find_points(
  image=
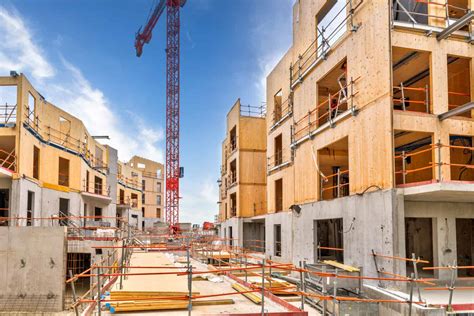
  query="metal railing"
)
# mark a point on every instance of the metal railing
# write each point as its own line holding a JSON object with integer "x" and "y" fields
{"x": 253, "y": 111}
{"x": 232, "y": 178}
{"x": 416, "y": 97}
{"x": 132, "y": 183}
{"x": 281, "y": 158}
{"x": 335, "y": 185}
{"x": 96, "y": 188}
{"x": 8, "y": 160}
{"x": 7, "y": 114}
{"x": 326, "y": 111}
{"x": 417, "y": 12}
{"x": 425, "y": 164}
{"x": 282, "y": 111}
{"x": 326, "y": 37}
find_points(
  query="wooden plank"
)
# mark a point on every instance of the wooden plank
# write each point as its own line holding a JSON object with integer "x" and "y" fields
{"x": 339, "y": 265}
{"x": 257, "y": 299}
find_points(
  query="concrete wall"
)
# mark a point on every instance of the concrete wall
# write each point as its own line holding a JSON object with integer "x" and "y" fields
{"x": 370, "y": 221}
{"x": 32, "y": 268}
{"x": 237, "y": 230}
{"x": 443, "y": 217}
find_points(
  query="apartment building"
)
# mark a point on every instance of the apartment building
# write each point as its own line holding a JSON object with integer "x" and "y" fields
{"x": 369, "y": 135}
{"x": 242, "y": 185}
{"x": 152, "y": 172}
{"x": 53, "y": 172}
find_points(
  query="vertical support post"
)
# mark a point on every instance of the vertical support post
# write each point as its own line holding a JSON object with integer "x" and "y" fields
{"x": 439, "y": 161}
{"x": 74, "y": 296}
{"x": 319, "y": 252}
{"x": 321, "y": 189}
{"x": 415, "y": 270}
{"x": 404, "y": 167}
{"x": 338, "y": 182}
{"x": 403, "y": 97}
{"x": 427, "y": 98}
{"x": 451, "y": 285}
{"x": 98, "y": 291}
{"x": 245, "y": 260}
{"x": 263, "y": 287}
{"x": 121, "y": 263}
{"x": 374, "y": 255}
{"x": 324, "y": 291}
{"x": 190, "y": 277}
{"x": 270, "y": 273}
{"x": 411, "y": 295}
{"x": 335, "y": 288}
{"x": 302, "y": 287}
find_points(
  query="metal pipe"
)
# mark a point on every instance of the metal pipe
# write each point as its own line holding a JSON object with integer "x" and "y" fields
{"x": 98, "y": 291}
{"x": 263, "y": 287}
{"x": 74, "y": 297}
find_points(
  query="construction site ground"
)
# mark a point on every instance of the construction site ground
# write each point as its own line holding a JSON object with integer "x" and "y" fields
{"x": 171, "y": 282}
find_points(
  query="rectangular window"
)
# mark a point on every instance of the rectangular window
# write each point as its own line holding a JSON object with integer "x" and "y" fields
{"x": 158, "y": 186}
{"x": 63, "y": 173}
{"x": 36, "y": 162}
{"x": 87, "y": 180}
{"x": 134, "y": 198}
{"x": 121, "y": 197}
{"x": 30, "y": 208}
{"x": 278, "y": 150}
{"x": 329, "y": 234}
{"x": 277, "y": 240}
{"x": 143, "y": 184}
{"x": 231, "y": 237}
{"x": 63, "y": 211}
{"x": 279, "y": 195}
{"x": 158, "y": 212}
{"x": 277, "y": 102}
{"x": 143, "y": 198}
{"x": 98, "y": 186}
{"x": 143, "y": 212}
{"x": 98, "y": 214}
{"x": 158, "y": 199}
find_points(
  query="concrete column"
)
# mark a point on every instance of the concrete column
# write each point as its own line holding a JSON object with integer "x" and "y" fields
{"x": 444, "y": 244}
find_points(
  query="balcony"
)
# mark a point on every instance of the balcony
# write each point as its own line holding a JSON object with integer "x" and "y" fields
{"x": 433, "y": 16}
{"x": 281, "y": 112}
{"x": 232, "y": 179}
{"x": 279, "y": 160}
{"x": 7, "y": 115}
{"x": 332, "y": 108}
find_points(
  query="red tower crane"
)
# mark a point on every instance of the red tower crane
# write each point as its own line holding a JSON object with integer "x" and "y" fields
{"x": 173, "y": 169}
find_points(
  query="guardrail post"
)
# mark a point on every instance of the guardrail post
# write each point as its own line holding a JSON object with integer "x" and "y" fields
{"x": 302, "y": 287}
{"x": 338, "y": 182}
{"x": 427, "y": 99}
{"x": 98, "y": 291}
{"x": 403, "y": 97}
{"x": 451, "y": 285}
{"x": 439, "y": 160}
{"x": 404, "y": 167}
{"x": 415, "y": 270}
{"x": 74, "y": 297}
{"x": 263, "y": 287}
{"x": 411, "y": 295}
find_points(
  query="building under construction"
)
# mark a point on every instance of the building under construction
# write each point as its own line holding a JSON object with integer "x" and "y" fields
{"x": 350, "y": 193}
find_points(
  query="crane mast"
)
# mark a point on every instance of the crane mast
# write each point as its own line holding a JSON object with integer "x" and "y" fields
{"x": 172, "y": 168}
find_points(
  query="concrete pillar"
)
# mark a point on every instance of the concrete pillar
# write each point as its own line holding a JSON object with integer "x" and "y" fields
{"x": 444, "y": 244}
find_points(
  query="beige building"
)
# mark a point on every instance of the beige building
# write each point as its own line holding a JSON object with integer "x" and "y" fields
{"x": 242, "y": 185}
{"x": 152, "y": 185}
{"x": 369, "y": 135}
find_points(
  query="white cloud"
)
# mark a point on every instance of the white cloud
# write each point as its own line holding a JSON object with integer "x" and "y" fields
{"x": 17, "y": 49}
{"x": 65, "y": 86}
{"x": 199, "y": 203}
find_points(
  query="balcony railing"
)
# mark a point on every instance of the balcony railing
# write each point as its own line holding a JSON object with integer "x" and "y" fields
{"x": 8, "y": 160}
{"x": 419, "y": 13}
{"x": 327, "y": 35}
{"x": 282, "y": 111}
{"x": 335, "y": 185}
{"x": 425, "y": 164}
{"x": 132, "y": 183}
{"x": 232, "y": 178}
{"x": 7, "y": 115}
{"x": 253, "y": 111}
{"x": 281, "y": 158}
{"x": 415, "y": 99}
{"x": 95, "y": 188}
{"x": 327, "y": 111}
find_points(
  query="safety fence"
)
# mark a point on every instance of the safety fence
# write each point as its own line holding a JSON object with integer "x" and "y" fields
{"x": 96, "y": 187}
{"x": 7, "y": 115}
{"x": 334, "y": 185}
{"x": 419, "y": 165}
{"x": 281, "y": 157}
{"x": 426, "y": 12}
{"x": 253, "y": 111}
{"x": 281, "y": 111}
{"x": 327, "y": 111}
{"x": 8, "y": 160}
{"x": 240, "y": 264}
{"x": 62, "y": 139}
{"x": 341, "y": 20}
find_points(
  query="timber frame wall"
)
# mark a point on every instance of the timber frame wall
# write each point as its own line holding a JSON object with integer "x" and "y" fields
{"x": 242, "y": 186}
{"x": 363, "y": 133}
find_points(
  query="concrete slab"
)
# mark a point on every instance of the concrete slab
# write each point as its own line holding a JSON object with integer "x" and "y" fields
{"x": 440, "y": 192}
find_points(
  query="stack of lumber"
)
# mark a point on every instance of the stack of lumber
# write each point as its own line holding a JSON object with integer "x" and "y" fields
{"x": 276, "y": 286}
{"x": 253, "y": 296}
{"x": 130, "y": 306}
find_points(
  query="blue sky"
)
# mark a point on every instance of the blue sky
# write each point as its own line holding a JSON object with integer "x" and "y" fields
{"x": 80, "y": 56}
